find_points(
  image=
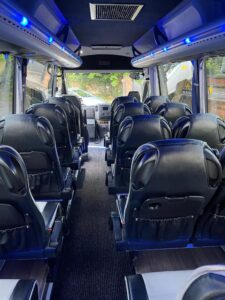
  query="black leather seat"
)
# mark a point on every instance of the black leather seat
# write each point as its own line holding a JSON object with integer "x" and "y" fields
{"x": 28, "y": 229}
{"x": 80, "y": 122}
{"x": 133, "y": 132}
{"x": 19, "y": 289}
{"x": 116, "y": 102}
{"x": 210, "y": 229}
{"x": 135, "y": 94}
{"x": 58, "y": 119}
{"x": 33, "y": 137}
{"x": 206, "y": 127}
{"x": 172, "y": 181}
{"x": 122, "y": 111}
{"x": 204, "y": 283}
{"x": 173, "y": 111}
{"x": 154, "y": 102}
{"x": 68, "y": 107}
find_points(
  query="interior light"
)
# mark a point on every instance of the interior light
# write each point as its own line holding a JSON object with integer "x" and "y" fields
{"x": 187, "y": 40}
{"x": 165, "y": 49}
{"x": 50, "y": 40}
{"x": 24, "y": 22}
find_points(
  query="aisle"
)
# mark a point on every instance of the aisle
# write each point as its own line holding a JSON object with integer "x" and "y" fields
{"x": 90, "y": 267}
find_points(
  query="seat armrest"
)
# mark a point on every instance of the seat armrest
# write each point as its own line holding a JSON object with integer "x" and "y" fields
{"x": 107, "y": 140}
{"x": 56, "y": 234}
{"x": 80, "y": 140}
{"x": 121, "y": 200}
{"x": 109, "y": 157}
{"x": 49, "y": 214}
{"x": 14, "y": 289}
{"x": 135, "y": 288}
{"x": 117, "y": 226}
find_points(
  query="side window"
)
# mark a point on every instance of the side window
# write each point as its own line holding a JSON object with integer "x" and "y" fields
{"x": 146, "y": 90}
{"x": 38, "y": 83}
{"x": 215, "y": 73}
{"x": 6, "y": 84}
{"x": 58, "y": 88}
{"x": 176, "y": 81}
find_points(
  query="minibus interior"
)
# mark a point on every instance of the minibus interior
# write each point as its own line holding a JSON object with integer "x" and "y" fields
{"x": 112, "y": 150}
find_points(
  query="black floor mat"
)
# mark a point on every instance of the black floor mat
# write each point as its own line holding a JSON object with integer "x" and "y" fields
{"x": 90, "y": 267}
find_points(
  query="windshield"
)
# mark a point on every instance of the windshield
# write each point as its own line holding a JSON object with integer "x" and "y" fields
{"x": 99, "y": 88}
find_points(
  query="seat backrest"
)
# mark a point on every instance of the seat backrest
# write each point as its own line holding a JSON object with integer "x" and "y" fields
{"x": 21, "y": 223}
{"x": 154, "y": 102}
{"x": 80, "y": 120}
{"x": 78, "y": 111}
{"x": 210, "y": 229}
{"x": 135, "y": 94}
{"x": 68, "y": 107}
{"x": 123, "y": 111}
{"x": 171, "y": 183}
{"x": 33, "y": 137}
{"x": 133, "y": 132}
{"x": 58, "y": 119}
{"x": 206, "y": 127}
{"x": 121, "y": 100}
{"x": 173, "y": 111}
{"x": 117, "y": 102}
{"x": 207, "y": 282}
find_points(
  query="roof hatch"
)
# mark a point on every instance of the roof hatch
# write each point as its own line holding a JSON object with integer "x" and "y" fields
{"x": 117, "y": 12}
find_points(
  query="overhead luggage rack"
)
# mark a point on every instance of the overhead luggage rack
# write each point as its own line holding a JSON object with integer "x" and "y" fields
{"x": 32, "y": 38}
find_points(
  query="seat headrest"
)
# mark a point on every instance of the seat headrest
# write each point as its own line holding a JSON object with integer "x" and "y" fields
{"x": 54, "y": 113}
{"x": 206, "y": 127}
{"x": 175, "y": 167}
{"x": 172, "y": 111}
{"x": 65, "y": 104}
{"x": 121, "y": 100}
{"x": 135, "y": 94}
{"x": 137, "y": 130}
{"x": 13, "y": 175}
{"x": 27, "y": 133}
{"x": 74, "y": 99}
{"x": 154, "y": 102}
{"x": 129, "y": 109}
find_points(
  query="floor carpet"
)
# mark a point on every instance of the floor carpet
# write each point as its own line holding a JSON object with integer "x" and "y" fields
{"x": 90, "y": 267}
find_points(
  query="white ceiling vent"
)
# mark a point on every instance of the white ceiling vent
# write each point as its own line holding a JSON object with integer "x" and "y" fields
{"x": 117, "y": 12}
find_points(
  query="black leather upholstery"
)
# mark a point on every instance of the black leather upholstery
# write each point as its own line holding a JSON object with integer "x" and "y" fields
{"x": 210, "y": 228}
{"x": 118, "y": 101}
{"x": 58, "y": 119}
{"x": 122, "y": 111}
{"x": 135, "y": 94}
{"x": 133, "y": 132}
{"x": 68, "y": 107}
{"x": 206, "y": 127}
{"x": 135, "y": 288}
{"x": 80, "y": 122}
{"x": 171, "y": 183}
{"x": 121, "y": 100}
{"x": 154, "y": 102}
{"x": 208, "y": 286}
{"x": 25, "y": 289}
{"x": 33, "y": 137}
{"x": 77, "y": 109}
{"x": 203, "y": 283}
{"x": 23, "y": 229}
{"x": 172, "y": 111}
